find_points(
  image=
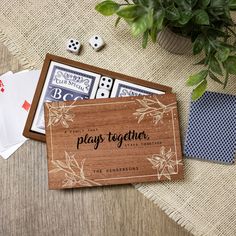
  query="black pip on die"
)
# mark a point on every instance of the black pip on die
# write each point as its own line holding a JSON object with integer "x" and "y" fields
{"x": 96, "y": 42}
{"x": 106, "y": 82}
{"x": 73, "y": 46}
{"x": 103, "y": 93}
{"x": 105, "y": 86}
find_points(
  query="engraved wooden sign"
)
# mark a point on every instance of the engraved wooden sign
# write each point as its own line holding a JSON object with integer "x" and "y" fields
{"x": 113, "y": 141}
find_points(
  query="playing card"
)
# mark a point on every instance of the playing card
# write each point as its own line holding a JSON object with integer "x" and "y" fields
{"x": 126, "y": 89}
{"x": 64, "y": 83}
{"x": 9, "y": 151}
{"x": 22, "y": 71}
{"x": 14, "y": 104}
{"x": 211, "y": 133}
{"x": 6, "y": 74}
{"x": 2, "y": 86}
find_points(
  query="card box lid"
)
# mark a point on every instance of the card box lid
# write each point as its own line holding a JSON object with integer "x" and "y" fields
{"x": 113, "y": 141}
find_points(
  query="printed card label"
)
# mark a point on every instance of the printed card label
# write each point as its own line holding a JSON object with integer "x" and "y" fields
{"x": 126, "y": 89}
{"x": 113, "y": 141}
{"x": 64, "y": 83}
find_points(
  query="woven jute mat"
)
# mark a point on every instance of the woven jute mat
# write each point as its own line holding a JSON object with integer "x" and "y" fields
{"x": 204, "y": 202}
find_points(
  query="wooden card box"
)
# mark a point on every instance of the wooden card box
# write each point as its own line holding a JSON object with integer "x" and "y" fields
{"x": 29, "y": 133}
{"x": 113, "y": 141}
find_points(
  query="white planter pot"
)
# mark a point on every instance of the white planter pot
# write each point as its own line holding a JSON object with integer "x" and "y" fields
{"x": 173, "y": 42}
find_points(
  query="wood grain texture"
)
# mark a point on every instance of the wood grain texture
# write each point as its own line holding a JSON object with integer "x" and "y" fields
{"x": 113, "y": 141}
{"x": 29, "y": 208}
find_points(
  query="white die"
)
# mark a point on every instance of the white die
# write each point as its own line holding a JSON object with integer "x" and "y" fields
{"x": 102, "y": 93}
{"x": 73, "y": 45}
{"x": 96, "y": 42}
{"x": 106, "y": 82}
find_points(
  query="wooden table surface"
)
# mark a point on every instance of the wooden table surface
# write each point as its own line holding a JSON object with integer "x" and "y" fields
{"x": 27, "y": 207}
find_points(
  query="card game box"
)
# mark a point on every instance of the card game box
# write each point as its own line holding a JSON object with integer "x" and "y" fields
{"x": 62, "y": 79}
{"x": 113, "y": 141}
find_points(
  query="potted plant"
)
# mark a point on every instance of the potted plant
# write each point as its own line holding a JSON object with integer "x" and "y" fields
{"x": 207, "y": 23}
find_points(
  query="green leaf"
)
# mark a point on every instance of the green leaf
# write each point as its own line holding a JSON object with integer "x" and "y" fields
{"x": 147, "y": 3}
{"x": 192, "y": 3}
{"x": 204, "y": 3}
{"x": 212, "y": 76}
{"x": 218, "y": 3}
{"x": 185, "y": 17}
{"x": 227, "y": 12}
{"x": 157, "y": 26}
{"x": 197, "y": 78}
{"x": 145, "y": 39}
{"x": 158, "y": 18}
{"x": 222, "y": 53}
{"x": 198, "y": 44}
{"x": 131, "y": 12}
{"x": 150, "y": 18}
{"x": 232, "y": 4}
{"x": 140, "y": 25}
{"x": 202, "y": 62}
{"x": 199, "y": 90}
{"x": 201, "y": 17}
{"x": 172, "y": 13}
{"x": 117, "y": 21}
{"x": 230, "y": 65}
{"x": 213, "y": 32}
{"x": 107, "y": 8}
{"x": 153, "y": 33}
{"x": 231, "y": 47}
{"x": 183, "y": 4}
{"x": 207, "y": 48}
{"x": 215, "y": 65}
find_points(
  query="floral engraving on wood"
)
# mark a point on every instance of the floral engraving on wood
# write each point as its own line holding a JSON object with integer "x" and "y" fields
{"x": 152, "y": 108}
{"x": 60, "y": 114}
{"x": 74, "y": 172}
{"x": 165, "y": 163}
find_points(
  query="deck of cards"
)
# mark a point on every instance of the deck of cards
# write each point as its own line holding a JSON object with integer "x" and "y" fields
{"x": 65, "y": 83}
{"x": 66, "y": 80}
{"x": 16, "y": 94}
{"x": 211, "y": 134}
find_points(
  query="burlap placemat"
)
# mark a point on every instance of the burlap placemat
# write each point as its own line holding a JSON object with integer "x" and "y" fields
{"x": 204, "y": 203}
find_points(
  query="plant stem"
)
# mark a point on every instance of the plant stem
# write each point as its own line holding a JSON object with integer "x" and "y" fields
{"x": 231, "y": 31}
{"x": 226, "y": 78}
